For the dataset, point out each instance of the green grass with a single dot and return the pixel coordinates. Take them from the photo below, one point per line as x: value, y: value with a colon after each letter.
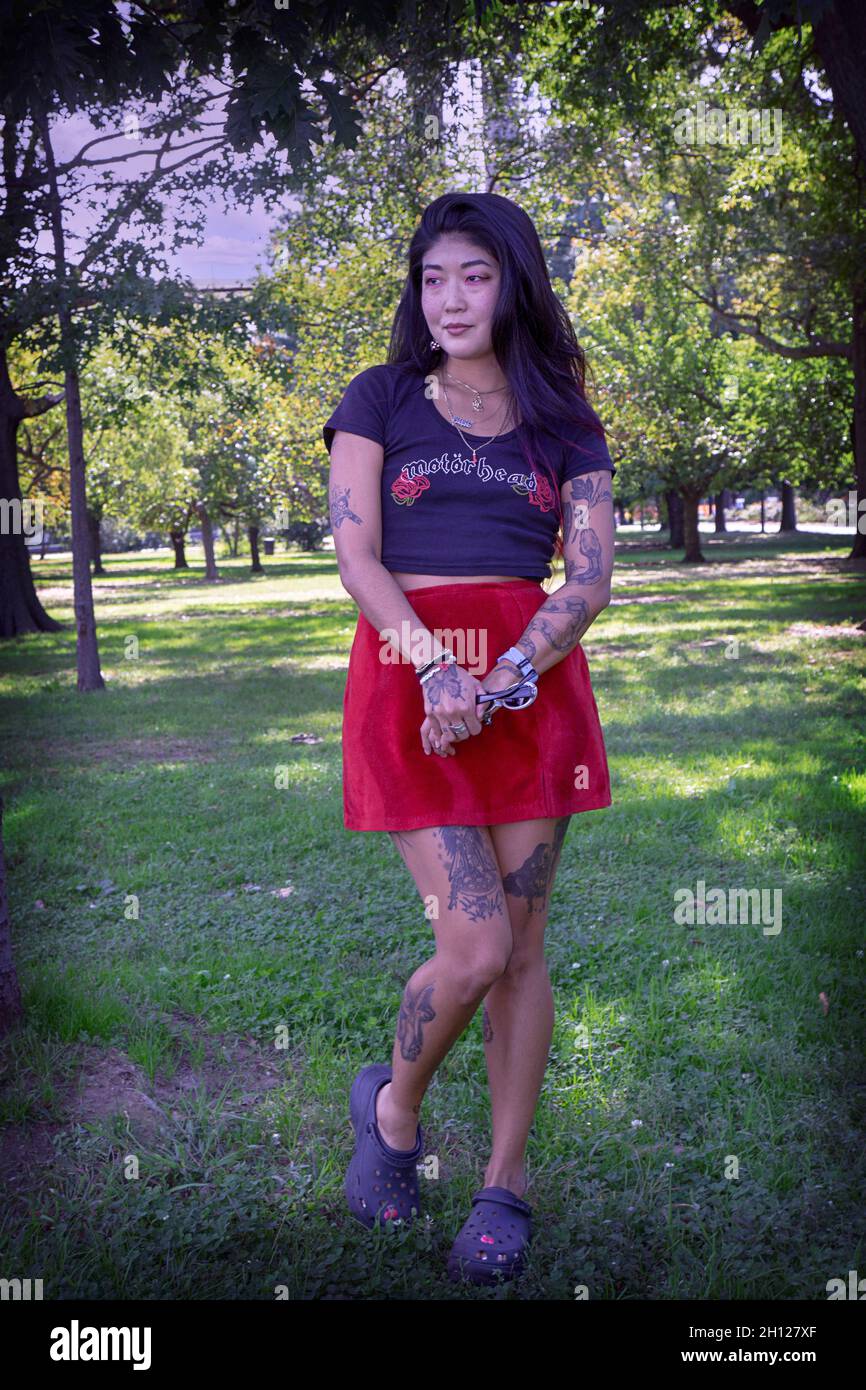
x: 207, y: 957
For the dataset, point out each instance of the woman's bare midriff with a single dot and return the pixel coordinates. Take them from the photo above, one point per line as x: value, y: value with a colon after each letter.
x: 418, y: 581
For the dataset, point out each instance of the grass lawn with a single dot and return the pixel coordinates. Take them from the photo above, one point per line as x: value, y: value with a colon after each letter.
x: 207, y: 955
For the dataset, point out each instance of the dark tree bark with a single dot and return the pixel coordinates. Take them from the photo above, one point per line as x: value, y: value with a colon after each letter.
x: 94, y: 531
x: 11, y: 1008
x: 177, y: 540
x: 20, y: 609
x: 89, y: 674
x: 675, y: 519
x: 691, y: 533
x: 763, y: 510
x: 721, y: 524
x: 621, y: 509
x: 253, y: 533
x: 789, y: 508
x: 858, y: 421
x: 210, y: 568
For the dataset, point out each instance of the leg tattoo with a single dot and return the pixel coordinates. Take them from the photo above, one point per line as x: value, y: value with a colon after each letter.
x: 488, y: 1028
x: 532, y: 879
x: 414, y: 1010
x: 472, y: 872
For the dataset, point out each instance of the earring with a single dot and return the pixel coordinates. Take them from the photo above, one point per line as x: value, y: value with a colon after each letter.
x: 434, y: 345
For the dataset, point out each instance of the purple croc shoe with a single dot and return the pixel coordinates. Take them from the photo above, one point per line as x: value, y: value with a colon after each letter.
x: 381, y: 1183
x: 493, y: 1239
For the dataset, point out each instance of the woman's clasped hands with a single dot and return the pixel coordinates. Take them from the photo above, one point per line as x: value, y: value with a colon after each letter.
x: 450, y: 697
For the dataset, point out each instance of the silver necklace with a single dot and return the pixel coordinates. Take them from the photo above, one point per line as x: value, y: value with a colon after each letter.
x: 477, y: 403
x: 472, y: 447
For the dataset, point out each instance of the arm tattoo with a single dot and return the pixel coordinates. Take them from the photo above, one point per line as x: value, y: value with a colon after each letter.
x: 340, y: 509
x: 590, y: 548
x: 588, y: 493
x: 472, y: 872
x: 414, y: 1010
x: 579, y: 621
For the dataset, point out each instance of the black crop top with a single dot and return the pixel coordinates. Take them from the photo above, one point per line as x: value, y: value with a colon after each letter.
x: 442, y: 514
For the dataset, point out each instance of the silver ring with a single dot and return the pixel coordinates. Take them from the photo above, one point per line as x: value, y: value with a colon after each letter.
x: 458, y: 727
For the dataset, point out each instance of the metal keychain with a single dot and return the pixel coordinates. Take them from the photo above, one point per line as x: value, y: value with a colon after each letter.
x: 517, y: 696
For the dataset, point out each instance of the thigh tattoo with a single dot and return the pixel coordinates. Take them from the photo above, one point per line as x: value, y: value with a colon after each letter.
x: 532, y: 879
x: 473, y: 872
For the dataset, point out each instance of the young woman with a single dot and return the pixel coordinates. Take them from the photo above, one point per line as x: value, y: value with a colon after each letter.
x: 452, y: 467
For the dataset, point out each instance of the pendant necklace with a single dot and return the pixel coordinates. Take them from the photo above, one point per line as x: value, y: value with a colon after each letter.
x: 472, y: 447
x: 477, y: 404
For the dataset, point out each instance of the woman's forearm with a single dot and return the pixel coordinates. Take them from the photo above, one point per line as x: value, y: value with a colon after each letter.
x: 384, y: 605
x: 558, y: 625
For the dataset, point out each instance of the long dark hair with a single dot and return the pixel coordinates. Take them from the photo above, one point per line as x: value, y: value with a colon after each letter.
x: 532, y: 336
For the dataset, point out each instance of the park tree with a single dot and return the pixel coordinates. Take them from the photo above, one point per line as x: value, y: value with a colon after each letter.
x: 621, y: 70
x: 664, y: 372
x: 184, y: 104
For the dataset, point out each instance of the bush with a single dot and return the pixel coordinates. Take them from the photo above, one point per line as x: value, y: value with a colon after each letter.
x: 307, y: 535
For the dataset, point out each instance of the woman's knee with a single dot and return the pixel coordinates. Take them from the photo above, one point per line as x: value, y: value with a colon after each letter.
x: 526, y: 958
x: 475, y: 970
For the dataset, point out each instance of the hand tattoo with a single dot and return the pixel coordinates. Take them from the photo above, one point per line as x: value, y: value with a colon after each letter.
x: 445, y: 682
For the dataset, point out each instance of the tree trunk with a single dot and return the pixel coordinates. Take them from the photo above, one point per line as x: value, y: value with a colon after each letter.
x: 763, y: 510
x: 235, y: 538
x: 11, y: 1008
x: 721, y: 524
x: 789, y: 508
x: 691, y: 534
x: 619, y: 507
x: 858, y: 423
x: 20, y: 609
x: 675, y: 519
x: 253, y: 533
x: 89, y: 674
x: 95, y: 539
x: 177, y: 540
x: 210, y: 568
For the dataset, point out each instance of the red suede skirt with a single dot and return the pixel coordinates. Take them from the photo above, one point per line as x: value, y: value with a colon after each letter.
x: 546, y: 760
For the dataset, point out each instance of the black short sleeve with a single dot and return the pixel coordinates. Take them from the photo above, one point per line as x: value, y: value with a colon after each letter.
x: 364, y: 408
x: 584, y: 447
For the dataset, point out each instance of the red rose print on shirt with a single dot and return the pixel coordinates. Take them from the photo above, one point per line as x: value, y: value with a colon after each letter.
x: 405, y: 490
x: 542, y: 496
